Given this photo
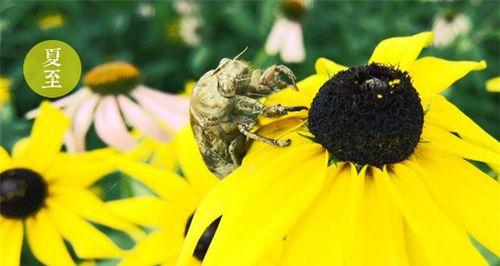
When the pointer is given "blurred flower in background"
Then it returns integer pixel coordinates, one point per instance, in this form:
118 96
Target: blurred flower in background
4 90
188 30
112 99
286 36
146 10
50 21
170 214
493 84
448 26
44 195
190 22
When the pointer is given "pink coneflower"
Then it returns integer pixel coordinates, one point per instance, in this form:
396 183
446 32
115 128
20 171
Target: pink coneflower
286 37
448 27
114 101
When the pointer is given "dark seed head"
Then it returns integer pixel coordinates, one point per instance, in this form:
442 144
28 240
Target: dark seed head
206 238
368 115
22 193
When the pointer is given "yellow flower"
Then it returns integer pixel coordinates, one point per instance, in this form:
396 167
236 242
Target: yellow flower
51 21
170 214
399 189
4 90
493 84
44 195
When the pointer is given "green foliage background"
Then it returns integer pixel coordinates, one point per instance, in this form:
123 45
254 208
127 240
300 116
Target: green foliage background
343 31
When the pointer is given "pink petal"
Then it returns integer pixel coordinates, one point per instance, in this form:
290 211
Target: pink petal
172 110
138 118
82 120
71 99
275 40
110 126
176 102
70 142
293 48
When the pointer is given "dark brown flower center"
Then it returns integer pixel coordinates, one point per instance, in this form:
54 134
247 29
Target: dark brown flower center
368 115
206 238
22 193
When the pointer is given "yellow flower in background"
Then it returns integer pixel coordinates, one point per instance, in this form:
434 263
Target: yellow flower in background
377 172
51 21
170 214
4 90
44 196
493 84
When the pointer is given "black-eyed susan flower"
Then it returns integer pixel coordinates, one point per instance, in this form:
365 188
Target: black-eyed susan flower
4 90
113 99
493 84
169 215
378 172
44 197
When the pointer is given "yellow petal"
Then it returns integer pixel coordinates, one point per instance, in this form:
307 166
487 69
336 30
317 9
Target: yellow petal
449 142
493 84
191 162
165 183
47 134
325 233
445 115
268 204
5 161
45 241
90 207
443 242
258 209
156 248
165 156
87 241
144 150
474 195
327 67
431 75
432 187
380 240
11 232
281 129
81 170
416 254
309 86
86 263
401 51
20 148
150 211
